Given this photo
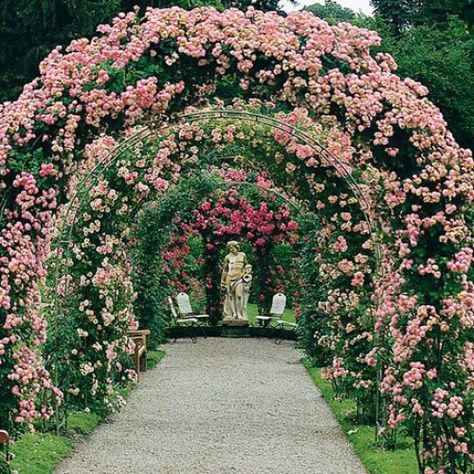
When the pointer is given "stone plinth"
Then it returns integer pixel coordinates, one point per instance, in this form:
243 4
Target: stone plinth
235 322
235 328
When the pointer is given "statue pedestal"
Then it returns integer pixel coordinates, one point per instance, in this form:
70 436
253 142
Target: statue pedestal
235 328
235 322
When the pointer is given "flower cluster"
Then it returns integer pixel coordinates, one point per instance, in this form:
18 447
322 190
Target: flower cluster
257 219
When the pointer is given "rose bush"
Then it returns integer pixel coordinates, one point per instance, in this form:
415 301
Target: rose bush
413 321
180 242
125 181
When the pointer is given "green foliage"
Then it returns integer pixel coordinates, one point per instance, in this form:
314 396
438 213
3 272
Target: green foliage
463 8
154 358
152 231
30 29
398 14
398 461
4 464
401 15
442 59
332 12
311 292
263 5
83 422
39 453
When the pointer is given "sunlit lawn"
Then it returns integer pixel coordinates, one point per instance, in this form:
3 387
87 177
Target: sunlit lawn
39 453
288 315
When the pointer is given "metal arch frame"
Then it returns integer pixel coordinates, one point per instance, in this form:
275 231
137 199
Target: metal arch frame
91 178
293 203
320 150
223 181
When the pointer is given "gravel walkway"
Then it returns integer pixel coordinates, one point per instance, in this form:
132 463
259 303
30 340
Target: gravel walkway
220 406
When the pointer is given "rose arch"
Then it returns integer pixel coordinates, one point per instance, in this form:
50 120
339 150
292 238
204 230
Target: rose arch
412 324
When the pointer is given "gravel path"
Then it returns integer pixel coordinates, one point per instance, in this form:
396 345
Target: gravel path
220 406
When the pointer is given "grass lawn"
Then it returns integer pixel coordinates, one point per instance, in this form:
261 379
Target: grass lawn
288 314
39 453
82 422
376 461
153 358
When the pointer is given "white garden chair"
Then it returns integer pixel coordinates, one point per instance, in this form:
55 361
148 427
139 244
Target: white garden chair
184 307
186 311
181 321
275 318
276 311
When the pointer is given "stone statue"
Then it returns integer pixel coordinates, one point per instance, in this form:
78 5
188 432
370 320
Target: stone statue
243 290
235 283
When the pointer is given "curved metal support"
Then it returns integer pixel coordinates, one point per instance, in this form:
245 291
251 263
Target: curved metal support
90 179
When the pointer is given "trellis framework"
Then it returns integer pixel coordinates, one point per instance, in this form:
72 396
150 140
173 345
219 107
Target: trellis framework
385 124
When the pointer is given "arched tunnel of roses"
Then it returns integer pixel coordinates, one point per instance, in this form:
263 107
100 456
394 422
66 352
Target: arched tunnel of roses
392 310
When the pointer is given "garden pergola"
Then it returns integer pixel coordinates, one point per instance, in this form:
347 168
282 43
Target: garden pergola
392 148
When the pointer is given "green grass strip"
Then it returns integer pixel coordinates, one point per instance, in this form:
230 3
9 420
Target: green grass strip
82 422
376 461
39 453
252 311
153 358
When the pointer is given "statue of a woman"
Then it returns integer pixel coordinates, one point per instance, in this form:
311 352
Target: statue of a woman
235 282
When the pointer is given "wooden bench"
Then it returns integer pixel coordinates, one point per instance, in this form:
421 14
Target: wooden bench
4 438
138 336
